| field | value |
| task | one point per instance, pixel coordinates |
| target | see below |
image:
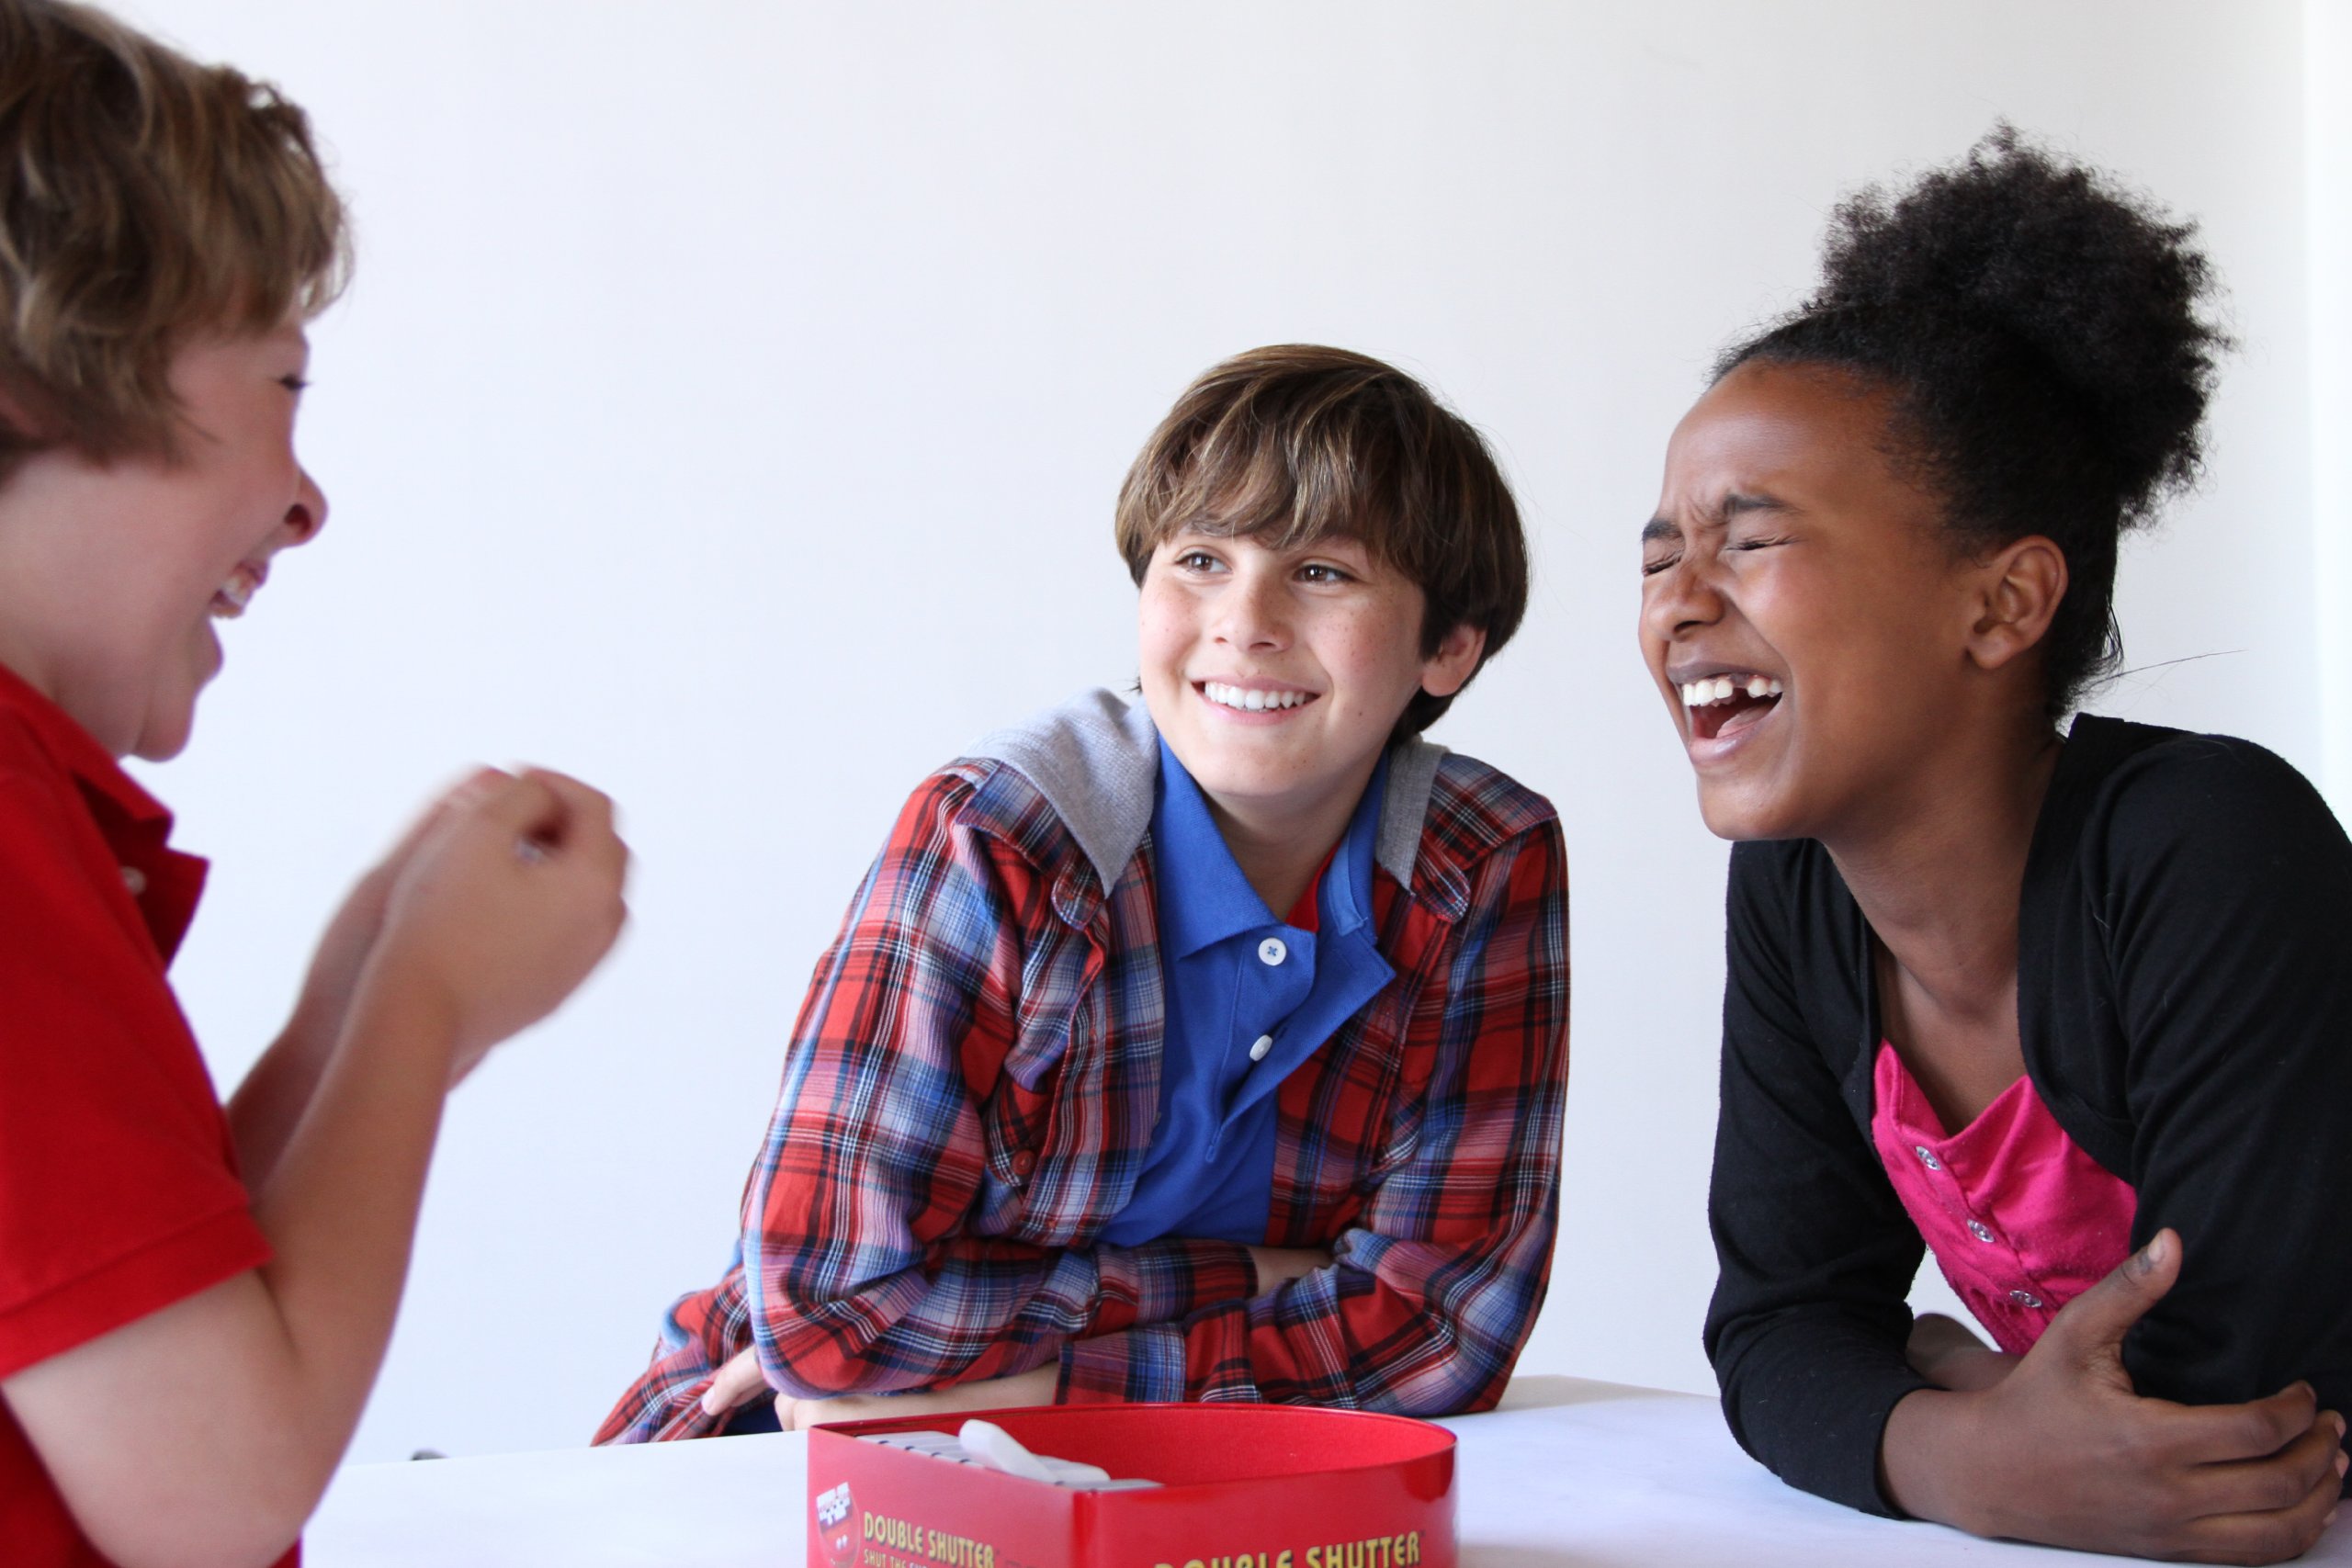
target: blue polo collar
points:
(1094, 758)
(1212, 901)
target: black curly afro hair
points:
(2040, 331)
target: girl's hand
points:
(510, 896)
(2062, 1449)
(1947, 1353)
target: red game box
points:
(1243, 1486)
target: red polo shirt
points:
(119, 1191)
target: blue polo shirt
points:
(1248, 999)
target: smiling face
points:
(1814, 637)
(1277, 675)
(116, 571)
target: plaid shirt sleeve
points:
(1437, 1282)
(860, 1269)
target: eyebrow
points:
(1733, 505)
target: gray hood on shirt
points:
(1096, 760)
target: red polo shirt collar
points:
(163, 883)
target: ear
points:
(2021, 585)
(1456, 661)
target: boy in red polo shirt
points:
(192, 1303)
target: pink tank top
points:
(2021, 1222)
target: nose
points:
(1253, 612)
(307, 515)
(1680, 597)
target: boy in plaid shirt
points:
(1069, 1113)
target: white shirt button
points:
(2025, 1298)
(1259, 1048)
(1927, 1156)
(134, 879)
(1980, 1230)
(1272, 950)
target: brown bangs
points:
(1298, 442)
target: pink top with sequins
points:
(2020, 1221)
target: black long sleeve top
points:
(2185, 1006)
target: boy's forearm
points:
(278, 1088)
(984, 1303)
(1171, 1278)
(269, 1104)
(1389, 1348)
(247, 1393)
(340, 1203)
(338, 1206)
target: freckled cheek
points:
(1372, 667)
(1161, 636)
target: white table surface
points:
(1568, 1473)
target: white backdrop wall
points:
(730, 407)
(2327, 180)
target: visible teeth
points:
(1721, 689)
(230, 602)
(1250, 701)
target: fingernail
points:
(2150, 1255)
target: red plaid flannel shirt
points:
(970, 1090)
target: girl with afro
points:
(2067, 1006)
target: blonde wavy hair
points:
(144, 199)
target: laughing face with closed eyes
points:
(1802, 614)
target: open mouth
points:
(1725, 705)
(1253, 699)
(230, 600)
